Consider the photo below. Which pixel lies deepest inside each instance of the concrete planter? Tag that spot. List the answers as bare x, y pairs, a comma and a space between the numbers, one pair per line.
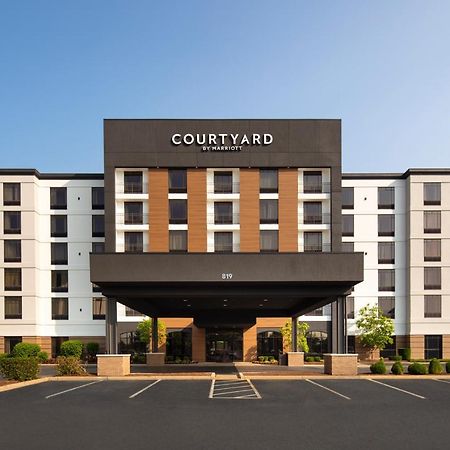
340, 364
113, 365
155, 359
295, 359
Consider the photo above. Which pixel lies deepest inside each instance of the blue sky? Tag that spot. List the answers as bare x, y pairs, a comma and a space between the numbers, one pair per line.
383, 67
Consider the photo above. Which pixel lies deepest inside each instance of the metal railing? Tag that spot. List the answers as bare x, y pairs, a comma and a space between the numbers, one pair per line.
316, 188
223, 219
132, 219
131, 188
315, 219
310, 248
223, 188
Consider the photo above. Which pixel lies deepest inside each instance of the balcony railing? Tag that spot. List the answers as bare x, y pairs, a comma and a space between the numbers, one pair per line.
132, 219
223, 219
316, 248
317, 188
315, 219
223, 188
131, 188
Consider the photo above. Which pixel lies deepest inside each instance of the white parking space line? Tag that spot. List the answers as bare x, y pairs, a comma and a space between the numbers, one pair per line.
142, 390
73, 389
218, 383
397, 389
441, 381
243, 389
328, 389
233, 392
211, 391
228, 387
253, 387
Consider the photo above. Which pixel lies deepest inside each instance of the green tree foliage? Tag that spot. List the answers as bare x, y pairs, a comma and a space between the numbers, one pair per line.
144, 330
302, 329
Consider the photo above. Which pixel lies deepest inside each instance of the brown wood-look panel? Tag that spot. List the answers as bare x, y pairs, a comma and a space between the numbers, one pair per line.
196, 186
158, 210
288, 210
249, 210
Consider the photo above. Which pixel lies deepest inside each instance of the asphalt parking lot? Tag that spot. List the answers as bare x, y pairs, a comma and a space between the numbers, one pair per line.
235, 414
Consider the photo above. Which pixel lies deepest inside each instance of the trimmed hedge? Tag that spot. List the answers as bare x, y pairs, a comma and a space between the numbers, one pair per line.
395, 358
43, 357
447, 367
417, 369
435, 367
379, 367
397, 368
309, 359
69, 365
25, 350
71, 348
19, 368
92, 349
405, 353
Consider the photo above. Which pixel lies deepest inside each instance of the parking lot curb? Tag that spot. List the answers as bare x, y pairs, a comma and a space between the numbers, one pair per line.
21, 384
338, 377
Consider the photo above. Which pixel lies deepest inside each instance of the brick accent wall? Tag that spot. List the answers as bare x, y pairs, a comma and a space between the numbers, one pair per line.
288, 210
158, 210
198, 344
196, 186
249, 210
249, 345
417, 346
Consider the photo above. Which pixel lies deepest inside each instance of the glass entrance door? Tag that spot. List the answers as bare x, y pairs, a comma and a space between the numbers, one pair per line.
223, 345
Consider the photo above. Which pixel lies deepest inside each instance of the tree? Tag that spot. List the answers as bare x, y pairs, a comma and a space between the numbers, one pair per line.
144, 330
376, 329
302, 328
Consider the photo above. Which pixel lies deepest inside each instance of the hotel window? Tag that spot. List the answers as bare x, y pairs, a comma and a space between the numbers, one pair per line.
348, 247
223, 182
13, 307
12, 250
60, 308
387, 306
312, 213
178, 240
223, 213
386, 252
98, 198
312, 242
130, 312
348, 195
350, 308
13, 279
386, 280
133, 183
56, 345
433, 346
11, 342
432, 250
386, 225
431, 193
432, 306
348, 225
11, 194
223, 242
386, 198
98, 226
60, 280
58, 226
177, 180
11, 222
134, 242
312, 182
59, 253
268, 211
178, 211
58, 198
268, 180
432, 277
98, 247
268, 240
134, 214
431, 221
98, 308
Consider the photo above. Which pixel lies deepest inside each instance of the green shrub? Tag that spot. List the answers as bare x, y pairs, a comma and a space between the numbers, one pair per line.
447, 367
19, 368
69, 365
379, 367
186, 360
309, 359
25, 350
317, 358
138, 358
3, 355
405, 353
397, 368
71, 348
261, 358
43, 357
435, 367
92, 349
272, 359
417, 369
395, 358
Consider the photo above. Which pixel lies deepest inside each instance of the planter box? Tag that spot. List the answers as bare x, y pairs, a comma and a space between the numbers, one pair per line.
340, 364
295, 359
113, 365
155, 359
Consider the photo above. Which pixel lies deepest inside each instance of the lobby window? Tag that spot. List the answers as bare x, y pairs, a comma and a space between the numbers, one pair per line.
223, 182
98, 226
13, 279
134, 242
348, 201
350, 308
387, 306
60, 308
312, 182
268, 211
432, 278
432, 249
348, 247
312, 213
58, 226
386, 198
269, 343
11, 222
56, 345
432, 306
433, 346
386, 252
98, 308
98, 198
177, 180
386, 280
178, 211
431, 221
59, 253
268, 240
58, 198
133, 183
312, 242
268, 180
178, 241
130, 312
223, 242
60, 280
348, 225
431, 193
11, 342
134, 213
12, 250
13, 307
98, 247
223, 213
11, 194
386, 225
